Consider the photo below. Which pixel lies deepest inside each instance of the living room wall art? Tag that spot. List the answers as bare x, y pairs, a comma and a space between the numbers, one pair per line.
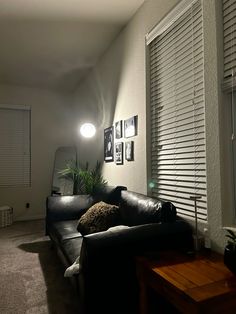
130, 126
119, 153
108, 144
118, 129
129, 150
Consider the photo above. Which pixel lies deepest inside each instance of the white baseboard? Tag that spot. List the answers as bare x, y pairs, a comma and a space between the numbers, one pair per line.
26, 218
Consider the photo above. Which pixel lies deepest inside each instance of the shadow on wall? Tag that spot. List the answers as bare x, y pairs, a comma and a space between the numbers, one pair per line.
69, 53
95, 101
61, 297
107, 80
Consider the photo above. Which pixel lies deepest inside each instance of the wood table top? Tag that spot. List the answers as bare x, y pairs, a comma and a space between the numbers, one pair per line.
200, 277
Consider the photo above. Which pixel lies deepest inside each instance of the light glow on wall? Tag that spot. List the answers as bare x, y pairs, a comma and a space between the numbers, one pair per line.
87, 130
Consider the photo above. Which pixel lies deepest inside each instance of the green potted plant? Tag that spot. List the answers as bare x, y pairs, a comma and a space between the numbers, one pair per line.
230, 250
86, 180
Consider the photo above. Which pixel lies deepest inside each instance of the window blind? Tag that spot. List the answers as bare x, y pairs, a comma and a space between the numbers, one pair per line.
14, 146
178, 159
229, 21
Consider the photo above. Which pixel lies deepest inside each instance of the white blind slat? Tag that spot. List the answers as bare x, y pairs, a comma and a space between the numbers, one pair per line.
229, 29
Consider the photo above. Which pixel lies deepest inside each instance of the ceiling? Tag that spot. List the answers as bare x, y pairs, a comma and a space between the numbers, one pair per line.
52, 44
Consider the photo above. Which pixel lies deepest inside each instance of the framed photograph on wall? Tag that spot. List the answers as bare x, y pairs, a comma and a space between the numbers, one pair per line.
129, 150
131, 126
118, 129
119, 153
108, 144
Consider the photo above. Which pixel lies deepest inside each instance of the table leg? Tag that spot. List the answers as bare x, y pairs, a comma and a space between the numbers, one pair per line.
143, 298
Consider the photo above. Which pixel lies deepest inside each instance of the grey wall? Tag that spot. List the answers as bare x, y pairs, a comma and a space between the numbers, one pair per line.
50, 128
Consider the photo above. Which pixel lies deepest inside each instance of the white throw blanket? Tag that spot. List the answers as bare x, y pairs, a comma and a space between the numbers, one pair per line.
75, 268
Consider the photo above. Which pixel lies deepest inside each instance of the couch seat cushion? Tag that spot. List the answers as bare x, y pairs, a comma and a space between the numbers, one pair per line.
64, 230
99, 217
71, 249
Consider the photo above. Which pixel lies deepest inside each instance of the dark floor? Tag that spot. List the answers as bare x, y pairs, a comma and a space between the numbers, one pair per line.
32, 274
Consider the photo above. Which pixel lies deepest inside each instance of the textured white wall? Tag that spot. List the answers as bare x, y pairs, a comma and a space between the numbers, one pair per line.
221, 211
116, 89
50, 128
212, 102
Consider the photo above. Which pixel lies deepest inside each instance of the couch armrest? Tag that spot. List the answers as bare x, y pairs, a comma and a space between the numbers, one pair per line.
139, 239
107, 260
67, 207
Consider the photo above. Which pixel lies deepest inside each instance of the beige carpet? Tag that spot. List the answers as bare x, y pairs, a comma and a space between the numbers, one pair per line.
31, 274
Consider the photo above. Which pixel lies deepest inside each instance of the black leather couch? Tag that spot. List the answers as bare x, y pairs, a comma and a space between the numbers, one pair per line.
107, 282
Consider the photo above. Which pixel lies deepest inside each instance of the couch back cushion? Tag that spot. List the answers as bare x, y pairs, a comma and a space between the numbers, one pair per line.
138, 209
110, 194
67, 207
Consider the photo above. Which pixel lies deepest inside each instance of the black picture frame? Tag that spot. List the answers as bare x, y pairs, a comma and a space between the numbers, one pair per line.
109, 144
129, 150
118, 129
131, 127
119, 153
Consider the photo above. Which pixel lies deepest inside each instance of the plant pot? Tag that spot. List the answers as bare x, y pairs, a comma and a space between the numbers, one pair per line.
230, 258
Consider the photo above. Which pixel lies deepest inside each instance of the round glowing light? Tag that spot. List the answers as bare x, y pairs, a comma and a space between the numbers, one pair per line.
88, 130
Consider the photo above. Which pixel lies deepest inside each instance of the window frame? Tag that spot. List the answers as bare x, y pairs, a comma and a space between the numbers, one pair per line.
166, 23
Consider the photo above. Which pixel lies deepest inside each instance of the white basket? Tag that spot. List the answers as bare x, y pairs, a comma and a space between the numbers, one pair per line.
6, 216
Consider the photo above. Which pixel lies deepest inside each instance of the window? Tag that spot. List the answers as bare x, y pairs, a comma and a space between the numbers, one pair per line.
229, 20
14, 146
229, 81
233, 138
177, 105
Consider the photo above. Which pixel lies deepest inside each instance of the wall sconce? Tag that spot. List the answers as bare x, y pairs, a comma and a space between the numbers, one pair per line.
87, 130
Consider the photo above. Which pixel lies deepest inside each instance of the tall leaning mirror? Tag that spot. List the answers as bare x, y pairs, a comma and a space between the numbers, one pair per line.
62, 185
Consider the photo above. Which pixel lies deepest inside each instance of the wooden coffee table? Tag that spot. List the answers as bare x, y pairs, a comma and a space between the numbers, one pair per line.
193, 284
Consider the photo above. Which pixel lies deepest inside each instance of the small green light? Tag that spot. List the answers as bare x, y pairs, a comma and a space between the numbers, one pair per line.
151, 185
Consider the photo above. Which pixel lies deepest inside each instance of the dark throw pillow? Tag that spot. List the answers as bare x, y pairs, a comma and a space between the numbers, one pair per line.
99, 217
